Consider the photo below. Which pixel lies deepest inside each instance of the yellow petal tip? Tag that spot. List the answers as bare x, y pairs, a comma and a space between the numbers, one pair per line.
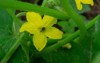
39, 41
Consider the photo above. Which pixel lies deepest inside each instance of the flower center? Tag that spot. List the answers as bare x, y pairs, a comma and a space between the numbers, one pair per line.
43, 29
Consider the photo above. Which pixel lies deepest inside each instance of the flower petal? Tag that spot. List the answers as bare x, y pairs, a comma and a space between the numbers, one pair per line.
78, 4
88, 2
34, 18
29, 27
91, 2
53, 33
48, 21
40, 41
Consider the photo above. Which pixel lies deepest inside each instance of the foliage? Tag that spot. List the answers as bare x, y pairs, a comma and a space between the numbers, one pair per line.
16, 47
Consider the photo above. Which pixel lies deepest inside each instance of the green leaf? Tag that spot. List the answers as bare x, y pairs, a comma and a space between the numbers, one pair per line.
96, 43
19, 57
8, 39
68, 26
97, 58
79, 53
6, 36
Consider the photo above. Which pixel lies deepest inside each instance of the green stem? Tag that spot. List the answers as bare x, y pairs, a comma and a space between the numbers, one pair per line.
44, 3
21, 14
76, 17
14, 28
31, 7
12, 50
73, 36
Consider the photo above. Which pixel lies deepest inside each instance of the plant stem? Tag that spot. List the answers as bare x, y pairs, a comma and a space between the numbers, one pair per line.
73, 36
31, 7
21, 14
12, 49
76, 17
44, 3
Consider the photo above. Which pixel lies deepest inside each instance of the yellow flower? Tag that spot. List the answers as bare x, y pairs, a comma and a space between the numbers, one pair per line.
41, 28
80, 2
